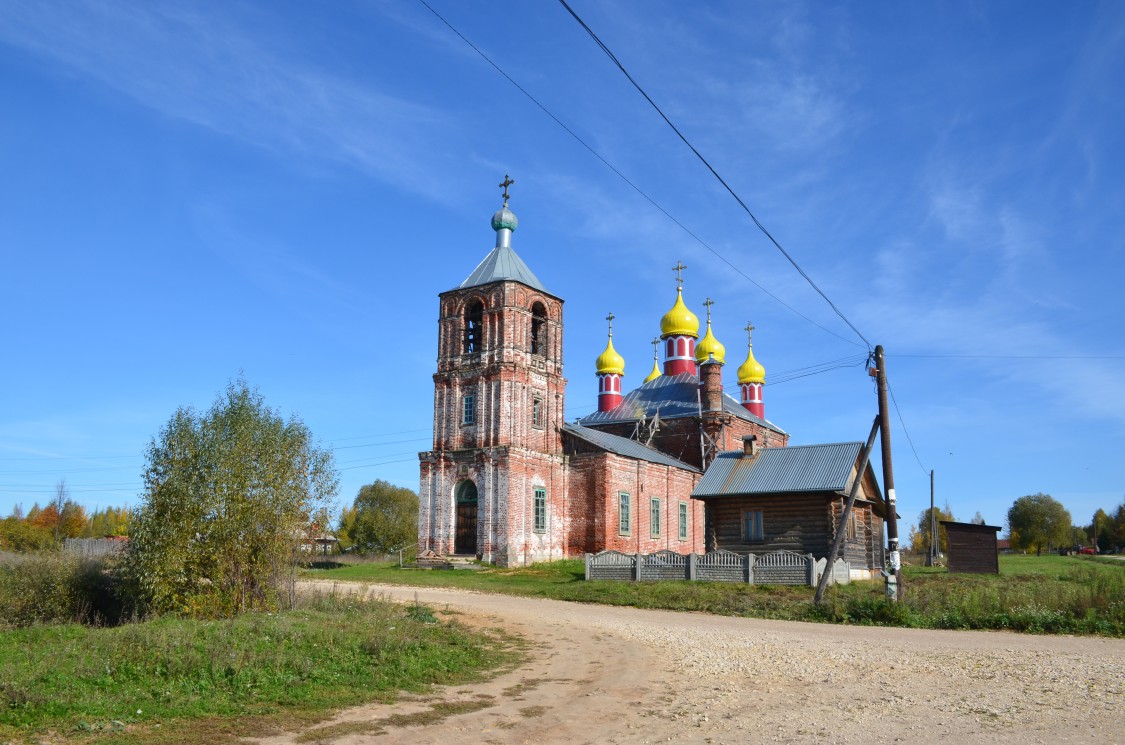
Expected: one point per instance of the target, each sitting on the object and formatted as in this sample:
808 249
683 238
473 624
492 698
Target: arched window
538 329
474 327
466 492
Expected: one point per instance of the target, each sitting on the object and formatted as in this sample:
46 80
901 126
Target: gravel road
601 674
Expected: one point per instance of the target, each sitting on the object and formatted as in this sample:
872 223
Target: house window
538 329
474 327
537 413
853 525
624 518
683 521
654 519
540 510
468 409
752 526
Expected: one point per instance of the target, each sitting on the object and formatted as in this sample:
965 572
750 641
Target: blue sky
282 189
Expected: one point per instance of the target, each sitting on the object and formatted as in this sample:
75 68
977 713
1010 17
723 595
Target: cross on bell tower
504 185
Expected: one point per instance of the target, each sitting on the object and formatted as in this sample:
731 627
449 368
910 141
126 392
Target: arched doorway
465 525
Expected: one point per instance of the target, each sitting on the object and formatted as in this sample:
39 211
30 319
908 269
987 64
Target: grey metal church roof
502 263
675 397
624 446
801 468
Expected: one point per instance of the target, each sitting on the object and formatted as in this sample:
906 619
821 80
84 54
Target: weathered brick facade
498 406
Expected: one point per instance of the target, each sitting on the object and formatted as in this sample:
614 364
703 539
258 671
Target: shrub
57 588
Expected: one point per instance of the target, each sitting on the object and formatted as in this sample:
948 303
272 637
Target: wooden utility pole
933 525
894 586
841 529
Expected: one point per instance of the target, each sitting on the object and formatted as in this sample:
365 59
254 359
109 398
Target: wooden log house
790 498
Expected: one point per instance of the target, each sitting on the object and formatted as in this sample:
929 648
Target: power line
372 465
715 173
905 431
1011 356
635 188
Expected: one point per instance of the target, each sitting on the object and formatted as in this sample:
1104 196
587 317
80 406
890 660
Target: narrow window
538 329
624 520
683 521
752 526
474 327
537 413
469 409
654 519
853 528
540 510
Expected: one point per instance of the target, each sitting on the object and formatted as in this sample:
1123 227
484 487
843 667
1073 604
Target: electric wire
635 188
715 173
905 431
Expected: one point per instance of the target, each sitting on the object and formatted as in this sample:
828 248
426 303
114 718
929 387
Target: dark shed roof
673 397
800 468
624 446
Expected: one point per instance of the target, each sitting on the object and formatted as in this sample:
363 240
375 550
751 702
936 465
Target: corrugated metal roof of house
625 446
674 397
502 263
799 468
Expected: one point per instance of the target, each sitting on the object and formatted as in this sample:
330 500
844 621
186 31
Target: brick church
511 482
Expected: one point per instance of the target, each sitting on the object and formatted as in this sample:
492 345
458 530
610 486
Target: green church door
465 525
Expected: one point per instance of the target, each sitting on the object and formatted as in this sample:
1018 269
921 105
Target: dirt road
600 674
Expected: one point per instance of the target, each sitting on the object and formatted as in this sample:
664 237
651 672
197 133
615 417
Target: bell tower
492 486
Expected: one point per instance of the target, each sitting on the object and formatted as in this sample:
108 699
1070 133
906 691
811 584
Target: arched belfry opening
465 525
538 329
474 327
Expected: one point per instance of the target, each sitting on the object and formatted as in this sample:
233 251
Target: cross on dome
610 318
504 185
708 302
749 329
678 269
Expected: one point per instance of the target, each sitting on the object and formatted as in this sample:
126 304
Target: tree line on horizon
44 527
1035 523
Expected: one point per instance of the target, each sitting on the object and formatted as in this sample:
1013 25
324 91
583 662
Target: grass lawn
1040 594
175 680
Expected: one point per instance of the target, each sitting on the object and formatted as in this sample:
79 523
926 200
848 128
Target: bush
57 588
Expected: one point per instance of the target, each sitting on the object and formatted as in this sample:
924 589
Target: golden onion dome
679 321
656 373
710 349
610 361
751 371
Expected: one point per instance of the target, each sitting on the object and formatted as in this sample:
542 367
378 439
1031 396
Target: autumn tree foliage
228 495
919 537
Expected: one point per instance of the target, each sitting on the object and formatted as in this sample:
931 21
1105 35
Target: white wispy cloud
209 70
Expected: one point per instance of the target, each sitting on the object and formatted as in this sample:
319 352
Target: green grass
179 680
1044 594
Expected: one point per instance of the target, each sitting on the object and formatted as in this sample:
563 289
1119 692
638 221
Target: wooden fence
777 568
94 547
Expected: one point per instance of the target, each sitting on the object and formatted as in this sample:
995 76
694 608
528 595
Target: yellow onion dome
679 321
751 371
610 361
710 349
656 373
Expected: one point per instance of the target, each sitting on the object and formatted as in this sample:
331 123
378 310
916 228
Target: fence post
587 567
637 567
691 559
750 569
812 570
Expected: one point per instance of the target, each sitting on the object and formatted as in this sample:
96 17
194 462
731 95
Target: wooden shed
791 499
972 548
